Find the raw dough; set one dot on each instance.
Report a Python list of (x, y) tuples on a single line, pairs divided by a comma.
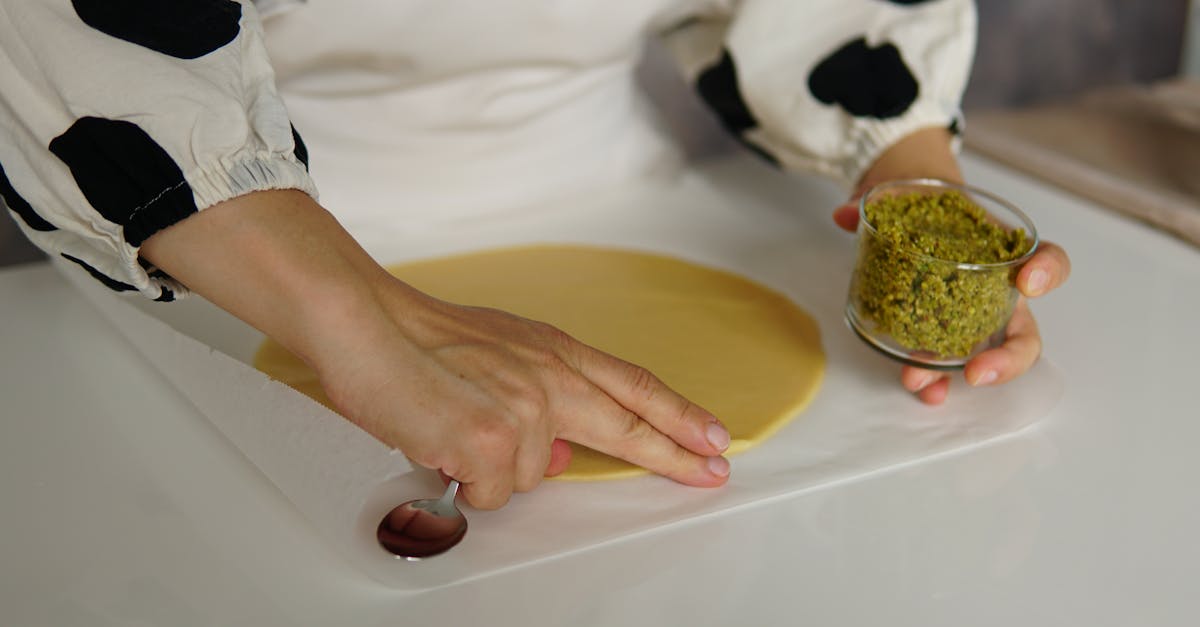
[(736, 348)]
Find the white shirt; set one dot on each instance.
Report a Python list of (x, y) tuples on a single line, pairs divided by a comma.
[(115, 123)]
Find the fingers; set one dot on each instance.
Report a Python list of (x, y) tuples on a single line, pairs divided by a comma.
[(518, 399), (533, 458), (506, 454), (530, 463), (1018, 353), (623, 434), (639, 391), (490, 474), (1046, 270), (930, 386), (648, 424), (560, 458), (606, 404), (488, 494), (846, 216)]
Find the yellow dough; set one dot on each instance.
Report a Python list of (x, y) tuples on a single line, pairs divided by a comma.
[(736, 348)]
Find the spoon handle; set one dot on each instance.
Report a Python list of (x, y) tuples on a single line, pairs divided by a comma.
[(447, 499)]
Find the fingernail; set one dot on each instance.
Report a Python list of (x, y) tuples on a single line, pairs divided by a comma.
[(924, 381), (717, 436), (988, 376), (718, 466), (1038, 279)]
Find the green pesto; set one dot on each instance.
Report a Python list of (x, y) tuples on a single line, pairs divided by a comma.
[(927, 305)]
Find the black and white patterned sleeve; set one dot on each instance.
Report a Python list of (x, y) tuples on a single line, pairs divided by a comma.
[(119, 118), (828, 85)]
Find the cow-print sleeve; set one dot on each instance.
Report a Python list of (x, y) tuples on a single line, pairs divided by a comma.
[(119, 118), (828, 85)]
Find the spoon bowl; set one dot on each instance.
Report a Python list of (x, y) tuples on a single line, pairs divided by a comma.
[(423, 528)]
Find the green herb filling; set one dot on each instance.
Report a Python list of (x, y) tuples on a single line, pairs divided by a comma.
[(927, 305)]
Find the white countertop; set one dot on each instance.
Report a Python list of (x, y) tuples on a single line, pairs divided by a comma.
[(1087, 519)]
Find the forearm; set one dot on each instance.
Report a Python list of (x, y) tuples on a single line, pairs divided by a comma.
[(474, 392), (923, 154), (280, 262)]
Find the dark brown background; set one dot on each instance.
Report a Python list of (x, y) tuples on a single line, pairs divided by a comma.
[(1030, 51)]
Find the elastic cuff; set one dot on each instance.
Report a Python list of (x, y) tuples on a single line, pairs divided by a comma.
[(209, 187), (236, 177), (873, 137)]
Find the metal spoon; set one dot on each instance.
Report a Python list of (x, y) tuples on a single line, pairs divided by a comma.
[(423, 528)]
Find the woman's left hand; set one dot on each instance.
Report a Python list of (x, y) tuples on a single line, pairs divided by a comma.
[(926, 154)]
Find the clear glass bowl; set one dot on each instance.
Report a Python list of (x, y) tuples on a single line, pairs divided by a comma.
[(931, 312)]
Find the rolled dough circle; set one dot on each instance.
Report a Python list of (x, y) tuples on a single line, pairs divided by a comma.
[(744, 352)]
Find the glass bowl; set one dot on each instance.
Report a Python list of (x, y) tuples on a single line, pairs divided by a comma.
[(924, 310)]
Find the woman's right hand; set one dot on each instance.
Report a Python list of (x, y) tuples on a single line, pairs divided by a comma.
[(479, 394)]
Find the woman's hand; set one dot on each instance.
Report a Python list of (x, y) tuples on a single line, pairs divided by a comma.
[(484, 396), (927, 154)]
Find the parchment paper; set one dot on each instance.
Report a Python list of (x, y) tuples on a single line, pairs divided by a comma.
[(734, 214)]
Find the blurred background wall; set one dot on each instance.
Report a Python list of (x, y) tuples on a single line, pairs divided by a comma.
[(1036, 51), (1087, 96), (1030, 52), (1191, 53)]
